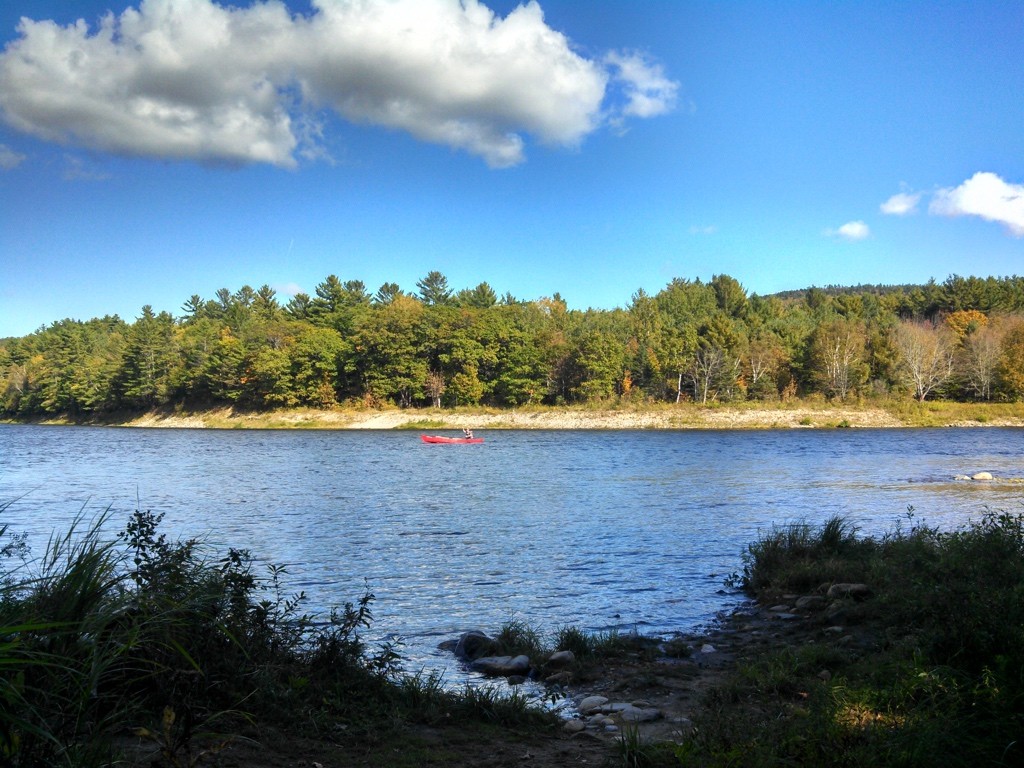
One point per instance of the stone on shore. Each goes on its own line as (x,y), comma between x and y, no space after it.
(603,714)
(591,704)
(574,726)
(631,714)
(502,666)
(852,591)
(810,603)
(474,645)
(561,659)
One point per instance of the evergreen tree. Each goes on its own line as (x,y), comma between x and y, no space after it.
(481,297)
(434,290)
(299,306)
(149,362)
(387,293)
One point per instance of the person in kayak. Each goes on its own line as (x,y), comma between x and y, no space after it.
(468,433)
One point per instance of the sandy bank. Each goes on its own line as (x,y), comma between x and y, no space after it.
(681,417)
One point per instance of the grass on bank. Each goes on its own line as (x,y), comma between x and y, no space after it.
(108,642)
(927,671)
(943,413)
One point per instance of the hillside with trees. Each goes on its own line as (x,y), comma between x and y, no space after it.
(962,339)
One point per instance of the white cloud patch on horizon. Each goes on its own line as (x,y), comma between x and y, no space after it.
(851,230)
(901,204)
(192,79)
(987,196)
(9,159)
(289,289)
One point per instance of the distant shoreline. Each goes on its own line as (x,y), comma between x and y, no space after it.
(744,416)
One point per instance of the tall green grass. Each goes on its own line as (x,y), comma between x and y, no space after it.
(101,637)
(188,649)
(60,645)
(935,678)
(800,557)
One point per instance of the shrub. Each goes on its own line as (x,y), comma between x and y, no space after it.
(937,677)
(517,637)
(799,557)
(159,635)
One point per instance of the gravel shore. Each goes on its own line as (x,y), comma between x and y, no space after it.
(433,420)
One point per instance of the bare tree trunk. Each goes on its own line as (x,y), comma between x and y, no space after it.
(927,354)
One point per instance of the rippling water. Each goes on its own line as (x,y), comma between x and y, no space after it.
(597,529)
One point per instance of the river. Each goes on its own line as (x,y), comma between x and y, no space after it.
(599,529)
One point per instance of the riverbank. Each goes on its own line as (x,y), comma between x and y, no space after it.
(799,414)
(874,671)
(899,650)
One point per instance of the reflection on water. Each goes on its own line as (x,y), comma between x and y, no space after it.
(597,529)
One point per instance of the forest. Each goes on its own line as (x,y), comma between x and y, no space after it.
(703,342)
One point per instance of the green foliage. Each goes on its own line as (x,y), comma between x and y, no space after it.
(708,342)
(316,359)
(189,649)
(1011,363)
(385,359)
(588,645)
(800,557)
(434,289)
(516,637)
(633,751)
(481,297)
(150,361)
(939,682)
(157,635)
(980,571)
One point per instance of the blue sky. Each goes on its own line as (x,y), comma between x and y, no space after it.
(590,149)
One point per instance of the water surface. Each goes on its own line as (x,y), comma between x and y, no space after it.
(616,529)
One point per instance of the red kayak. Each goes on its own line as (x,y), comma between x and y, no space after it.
(439,439)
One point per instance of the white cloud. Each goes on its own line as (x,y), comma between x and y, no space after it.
(901,204)
(9,159)
(851,230)
(648,92)
(289,289)
(192,79)
(173,79)
(985,195)
(709,229)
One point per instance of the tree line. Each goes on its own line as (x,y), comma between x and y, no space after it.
(692,341)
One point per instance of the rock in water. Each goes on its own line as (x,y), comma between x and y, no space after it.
(502,666)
